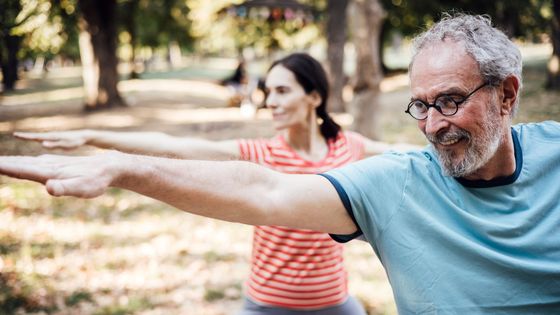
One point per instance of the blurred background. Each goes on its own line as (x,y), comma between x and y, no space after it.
(194,68)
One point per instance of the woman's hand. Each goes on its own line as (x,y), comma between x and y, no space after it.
(143,143)
(67,140)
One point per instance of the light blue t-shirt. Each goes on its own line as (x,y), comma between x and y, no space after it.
(453,246)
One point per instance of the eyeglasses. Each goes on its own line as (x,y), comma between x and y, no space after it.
(444,104)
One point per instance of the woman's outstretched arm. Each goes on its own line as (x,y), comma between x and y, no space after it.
(146,143)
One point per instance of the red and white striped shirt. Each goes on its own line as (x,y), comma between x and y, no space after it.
(292,268)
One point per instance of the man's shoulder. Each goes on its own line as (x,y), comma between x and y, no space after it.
(548,131)
(419,161)
(425,154)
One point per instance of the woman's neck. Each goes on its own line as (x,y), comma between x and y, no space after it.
(307,141)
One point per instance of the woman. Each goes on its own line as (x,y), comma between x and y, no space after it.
(292,271)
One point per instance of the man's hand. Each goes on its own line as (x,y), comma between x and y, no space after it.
(84,177)
(67,140)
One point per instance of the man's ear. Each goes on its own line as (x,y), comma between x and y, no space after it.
(315,98)
(510,90)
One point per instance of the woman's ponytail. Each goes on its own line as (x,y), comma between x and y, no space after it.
(329,128)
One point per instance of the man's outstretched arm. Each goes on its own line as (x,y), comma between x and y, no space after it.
(232,191)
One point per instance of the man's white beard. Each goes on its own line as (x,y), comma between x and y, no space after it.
(478,152)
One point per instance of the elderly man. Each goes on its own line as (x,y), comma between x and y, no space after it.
(469,225)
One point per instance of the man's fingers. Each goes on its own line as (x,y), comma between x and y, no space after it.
(54,144)
(25,168)
(75,187)
(35,136)
(23,135)
(55,187)
(38,169)
(62,175)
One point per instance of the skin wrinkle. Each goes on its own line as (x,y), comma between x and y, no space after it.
(477,153)
(492,50)
(480,124)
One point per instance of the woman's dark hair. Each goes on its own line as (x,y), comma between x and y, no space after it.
(312,77)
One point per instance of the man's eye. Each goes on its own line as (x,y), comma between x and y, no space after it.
(445,101)
(418,105)
(457,98)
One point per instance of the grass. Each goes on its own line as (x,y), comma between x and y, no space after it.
(63,256)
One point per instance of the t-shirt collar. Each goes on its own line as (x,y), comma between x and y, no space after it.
(499,181)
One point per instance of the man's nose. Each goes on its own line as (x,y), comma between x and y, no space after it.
(435,122)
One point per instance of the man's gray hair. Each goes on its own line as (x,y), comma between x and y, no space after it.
(496,55)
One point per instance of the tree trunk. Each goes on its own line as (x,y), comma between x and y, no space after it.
(10,61)
(505,18)
(9,44)
(2,69)
(336,39)
(174,55)
(98,20)
(383,33)
(129,17)
(90,68)
(366,25)
(553,77)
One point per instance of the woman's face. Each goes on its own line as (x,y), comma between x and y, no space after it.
(290,105)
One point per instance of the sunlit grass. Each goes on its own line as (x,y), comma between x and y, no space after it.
(80,259)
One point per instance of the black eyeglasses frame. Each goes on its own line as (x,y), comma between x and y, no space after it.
(438,108)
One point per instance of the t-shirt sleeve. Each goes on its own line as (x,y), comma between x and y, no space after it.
(244,149)
(252,150)
(356,143)
(372,191)
(346,202)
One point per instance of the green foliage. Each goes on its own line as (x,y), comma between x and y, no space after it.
(22,199)
(133,306)
(213,256)
(8,243)
(8,15)
(50,27)
(40,26)
(19,294)
(518,18)
(40,250)
(78,297)
(522,19)
(228,292)
(158,23)
(214,295)
(64,12)
(220,29)
(116,264)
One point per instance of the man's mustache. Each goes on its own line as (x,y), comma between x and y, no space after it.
(450,135)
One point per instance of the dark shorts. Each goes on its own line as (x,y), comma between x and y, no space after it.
(350,307)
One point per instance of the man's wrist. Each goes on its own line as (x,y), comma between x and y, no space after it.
(126,169)
(118,167)
(89,135)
